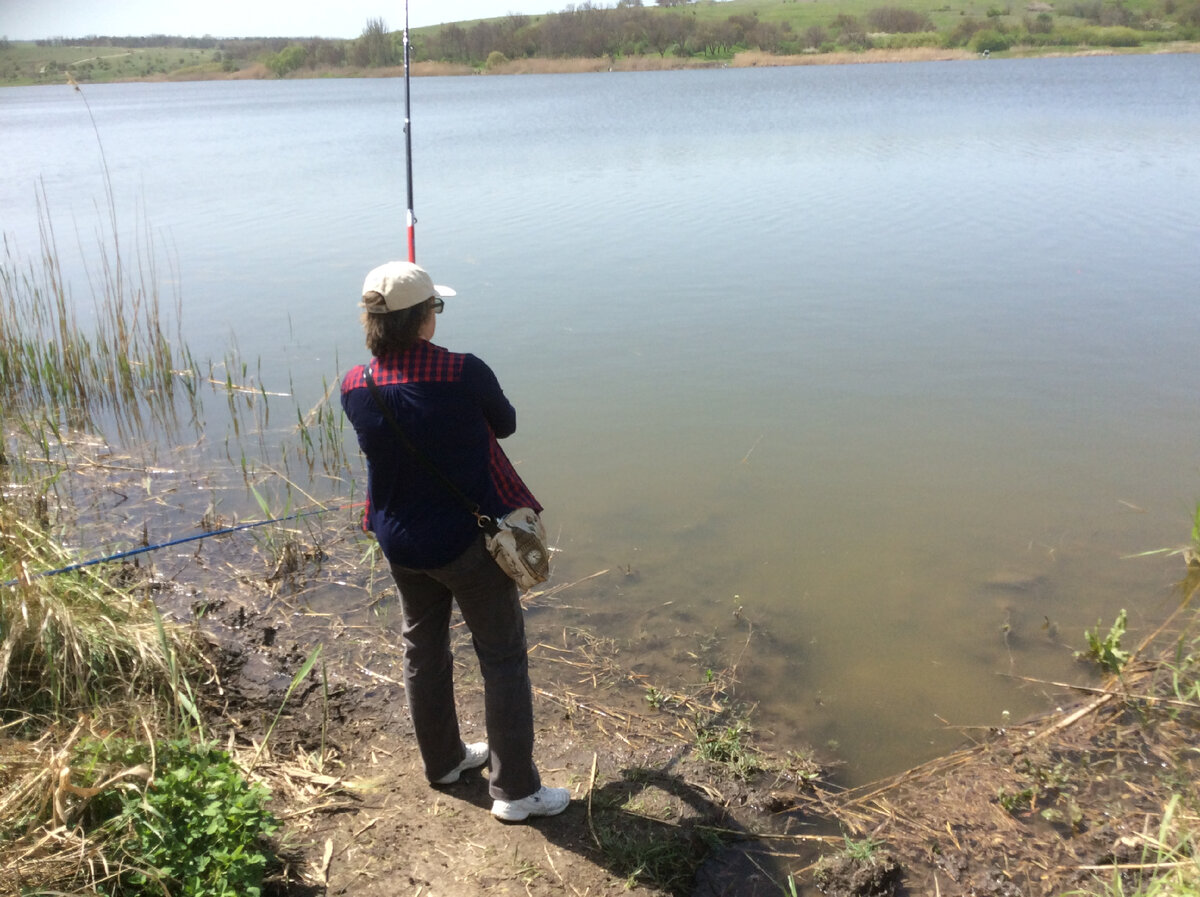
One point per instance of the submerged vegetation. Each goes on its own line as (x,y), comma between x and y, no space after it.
(629,34)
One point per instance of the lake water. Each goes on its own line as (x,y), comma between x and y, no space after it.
(887,365)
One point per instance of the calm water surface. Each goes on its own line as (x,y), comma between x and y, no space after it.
(890,363)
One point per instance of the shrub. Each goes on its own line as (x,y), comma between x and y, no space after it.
(963,32)
(815,36)
(1043,24)
(846,22)
(495,59)
(286,60)
(895,20)
(1117,14)
(990,41)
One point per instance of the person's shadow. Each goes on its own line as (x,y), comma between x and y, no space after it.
(653,827)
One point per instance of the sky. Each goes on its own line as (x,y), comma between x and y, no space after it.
(34,19)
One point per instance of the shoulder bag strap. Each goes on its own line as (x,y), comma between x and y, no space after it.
(486,523)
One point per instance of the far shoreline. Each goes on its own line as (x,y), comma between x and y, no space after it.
(577,65)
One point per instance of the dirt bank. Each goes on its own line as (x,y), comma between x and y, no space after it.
(673,792)
(647,809)
(1035,809)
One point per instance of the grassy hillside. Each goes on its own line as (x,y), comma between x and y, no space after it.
(711,30)
(27,62)
(706,30)
(158,57)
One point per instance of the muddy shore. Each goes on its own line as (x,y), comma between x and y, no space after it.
(674,789)
(1035,809)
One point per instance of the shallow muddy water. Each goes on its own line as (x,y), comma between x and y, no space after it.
(863,379)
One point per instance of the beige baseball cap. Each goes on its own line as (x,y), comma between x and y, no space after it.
(402,285)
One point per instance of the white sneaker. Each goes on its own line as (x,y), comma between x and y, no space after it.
(477,755)
(543,802)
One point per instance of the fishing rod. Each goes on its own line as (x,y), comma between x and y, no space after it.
(121,555)
(412,220)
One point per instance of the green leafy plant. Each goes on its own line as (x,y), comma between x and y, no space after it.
(196,830)
(1050,790)
(728,745)
(861,850)
(1107,651)
(1012,801)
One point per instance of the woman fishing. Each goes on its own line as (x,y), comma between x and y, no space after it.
(422,414)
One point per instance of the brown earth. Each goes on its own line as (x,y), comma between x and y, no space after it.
(1037,809)
(361,818)
(673,793)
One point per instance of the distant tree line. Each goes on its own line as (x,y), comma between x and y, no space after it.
(632,28)
(590,30)
(154,41)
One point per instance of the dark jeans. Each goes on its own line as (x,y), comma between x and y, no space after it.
(491,608)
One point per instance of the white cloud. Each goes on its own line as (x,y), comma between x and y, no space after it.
(31,19)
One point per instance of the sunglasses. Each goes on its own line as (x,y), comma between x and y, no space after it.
(438,304)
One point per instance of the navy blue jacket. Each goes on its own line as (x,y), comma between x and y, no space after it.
(453,409)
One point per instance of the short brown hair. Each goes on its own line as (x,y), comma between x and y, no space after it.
(396,331)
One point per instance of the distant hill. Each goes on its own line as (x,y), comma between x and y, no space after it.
(669,32)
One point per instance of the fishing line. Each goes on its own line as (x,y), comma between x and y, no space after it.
(121,555)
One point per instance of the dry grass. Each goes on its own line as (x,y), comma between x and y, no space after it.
(440,68)
(254,72)
(75,642)
(911,54)
(43,846)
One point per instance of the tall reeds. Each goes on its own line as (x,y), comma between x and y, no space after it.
(123,370)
